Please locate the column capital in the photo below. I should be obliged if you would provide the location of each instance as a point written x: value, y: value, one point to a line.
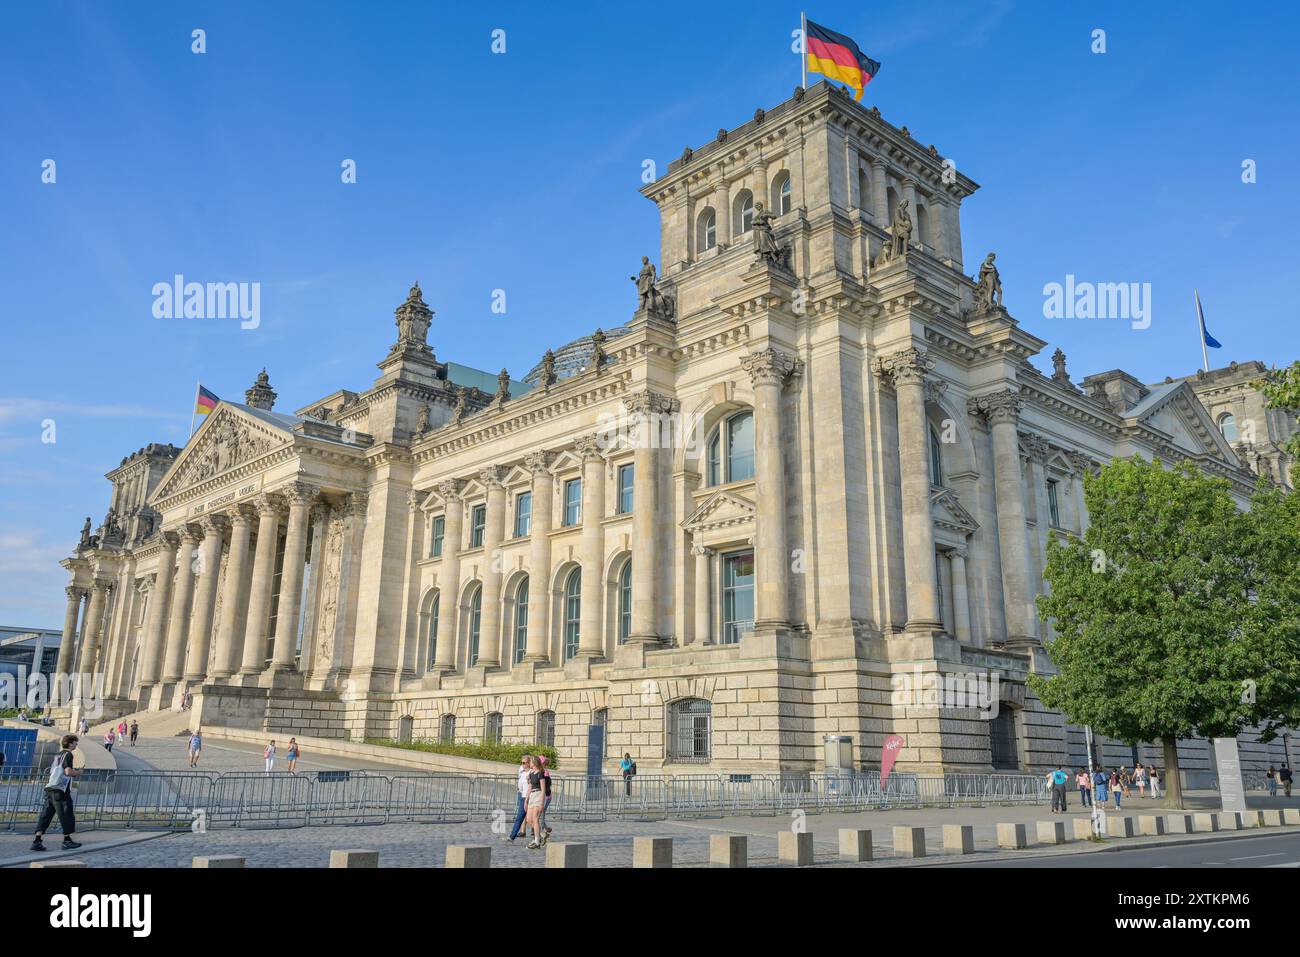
x: 102, y: 585
x: 539, y: 461
x: 1035, y: 446
x: 450, y: 489
x: 267, y: 504
x: 75, y: 592
x: 997, y: 407
x: 1080, y: 464
x: 300, y: 494
x: 907, y: 367
x: 355, y: 505
x: 242, y: 516
x: 415, y: 499
x: 192, y: 535
x: 213, y: 525
x: 769, y: 367
x: 650, y: 403
x: 959, y: 552
x: 170, y: 541
x: 492, y: 477
x: 588, y: 448
x: 700, y: 551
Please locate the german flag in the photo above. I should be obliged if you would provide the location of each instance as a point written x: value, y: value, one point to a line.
x: 205, y: 401
x: 836, y: 57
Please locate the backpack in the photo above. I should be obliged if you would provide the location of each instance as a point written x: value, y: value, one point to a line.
x: 58, y: 777
x: 632, y: 769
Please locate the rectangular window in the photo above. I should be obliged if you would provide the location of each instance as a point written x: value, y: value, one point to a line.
x: 478, y: 522
x: 523, y: 514
x: 1053, y: 504
x: 625, y: 477
x: 439, y: 526
x: 572, y: 502
x: 737, y: 596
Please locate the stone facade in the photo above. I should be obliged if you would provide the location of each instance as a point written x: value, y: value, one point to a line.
x: 815, y: 463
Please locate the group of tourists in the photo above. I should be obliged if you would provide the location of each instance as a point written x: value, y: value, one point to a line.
x: 1272, y: 776
x: 534, y: 797
x: 1096, y: 787
x: 291, y: 754
x: 120, y: 733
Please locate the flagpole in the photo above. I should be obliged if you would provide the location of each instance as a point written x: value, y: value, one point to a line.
x: 803, y: 49
x: 193, y: 408
x: 1200, y: 322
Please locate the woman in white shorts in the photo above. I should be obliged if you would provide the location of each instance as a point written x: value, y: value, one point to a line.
x: 535, y: 798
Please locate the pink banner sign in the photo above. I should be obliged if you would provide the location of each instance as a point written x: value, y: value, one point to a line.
x: 889, y: 754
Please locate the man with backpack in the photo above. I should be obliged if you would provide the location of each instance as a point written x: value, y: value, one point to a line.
x: 58, y: 796
x: 1058, y: 780
x: 628, y: 767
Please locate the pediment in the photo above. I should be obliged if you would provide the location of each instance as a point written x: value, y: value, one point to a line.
x: 720, y: 510
x: 1181, y: 416
x: 947, y: 512
x: 227, y: 440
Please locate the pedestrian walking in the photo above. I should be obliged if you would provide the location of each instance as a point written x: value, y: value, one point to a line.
x: 546, y: 798
x: 1270, y: 781
x: 135, y: 731
x: 1084, y: 781
x: 1116, y: 786
x: 292, y: 754
x: 1099, y: 782
x: 109, y: 738
x: 1140, y: 779
x: 196, y: 745
x: 269, y: 755
x: 1125, y: 780
x: 121, y: 730
x: 521, y: 797
x: 1058, y: 779
x: 535, y: 800
x: 84, y: 727
x: 1154, y: 776
x: 58, y: 797
x: 628, y: 767
x: 1284, y: 775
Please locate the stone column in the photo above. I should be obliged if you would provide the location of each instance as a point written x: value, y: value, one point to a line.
x: 769, y: 371
x: 259, y: 593
x: 703, y: 594
x: 178, y: 628
x: 449, y: 575
x: 230, y: 629
x: 1002, y: 409
x: 960, y: 602
x: 301, y: 497
x: 95, y: 625
x: 645, y: 410
x: 155, y: 629
x: 205, y: 598
x: 539, y: 556
x: 68, y: 646
x: 908, y: 370
x: 722, y: 213
x: 591, y: 549
x: 494, y: 528
x: 879, y: 195
x: 1080, y: 465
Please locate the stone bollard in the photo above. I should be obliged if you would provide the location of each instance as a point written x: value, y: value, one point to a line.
x: 59, y: 864
x: 1051, y: 832
x: 1179, y: 824
x: 652, y: 852
x: 1205, y: 822
x: 469, y: 855
x: 217, y: 860
x: 354, y: 858
x: 855, y: 844
x: 1119, y: 826
x: 1151, y: 824
x: 728, y: 850
x: 795, y: 848
x: 1271, y: 818
x: 1012, y: 836
x: 566, y: 855
x: 959, y: 838
x: 1082, y: 828
x: 909, y: 841
x: 1230, y: 821
x: 1291, y: 815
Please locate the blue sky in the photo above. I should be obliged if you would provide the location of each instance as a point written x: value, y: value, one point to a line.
x: 520, y: 172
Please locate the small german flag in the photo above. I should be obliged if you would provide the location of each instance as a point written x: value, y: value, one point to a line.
x: 205, y: 401
x: 836, y: 57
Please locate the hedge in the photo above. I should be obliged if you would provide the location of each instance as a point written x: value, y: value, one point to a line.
x: 507, y: 752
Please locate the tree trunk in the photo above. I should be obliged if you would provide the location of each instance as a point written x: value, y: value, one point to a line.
x: 1173, y: 782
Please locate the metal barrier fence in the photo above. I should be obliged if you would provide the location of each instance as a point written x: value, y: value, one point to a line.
x: 178, y: 800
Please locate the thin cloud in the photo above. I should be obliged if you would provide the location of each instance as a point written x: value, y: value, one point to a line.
x: 18, y: 408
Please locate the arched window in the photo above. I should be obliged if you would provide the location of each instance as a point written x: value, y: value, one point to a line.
x: 475, y: 619
x: 625, y: 602
x: 936, y: 459
x: 431, y: 635
x: 447, y: 729
x: 546, y: 728
x: 690, y: 731
x: 782, y: 194
x: 923, y: 225
x: 572, y: 612
x: 1228, y: 426
x: 742, y: 216
x: 405, y: 724
x: 521, y: 621
x: 706, y: 236
x: 492, y: 728
x: 731, y: 449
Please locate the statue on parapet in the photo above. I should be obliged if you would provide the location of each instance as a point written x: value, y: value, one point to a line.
x: 503, y: 386
x: 598, y: 354
x: 988, y: 287
x: 900, y: 232
x: 649, y: 297
x: 548, y: 370
x: 422, y: 421
x: 765, y: 245
x: 85, y: 535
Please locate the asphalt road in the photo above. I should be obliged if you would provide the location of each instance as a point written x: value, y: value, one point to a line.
x: 1267, y: 850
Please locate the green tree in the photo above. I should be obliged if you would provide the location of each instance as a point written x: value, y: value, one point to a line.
x: 1282, y: 388
x: 1161, y: 631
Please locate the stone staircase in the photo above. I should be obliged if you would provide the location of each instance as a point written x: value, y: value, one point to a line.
x: 153, y: 724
